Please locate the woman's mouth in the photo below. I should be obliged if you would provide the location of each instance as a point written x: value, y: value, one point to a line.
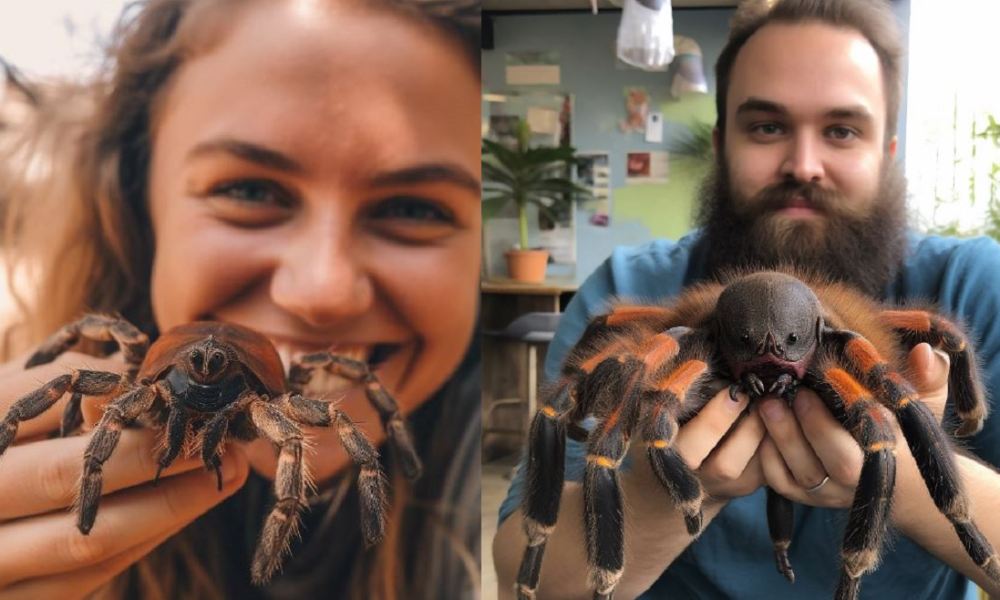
x: 374, y: 355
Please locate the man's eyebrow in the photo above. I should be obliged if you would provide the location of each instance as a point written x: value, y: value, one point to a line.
x: 429, y: 173
x: 247, y: 151
x: 761, y: 105
x: 857, y: 112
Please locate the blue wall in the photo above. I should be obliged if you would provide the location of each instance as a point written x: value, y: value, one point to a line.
x: 585, y: 44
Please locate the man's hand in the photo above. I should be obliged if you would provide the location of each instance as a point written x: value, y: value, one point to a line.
x: 805, y: 443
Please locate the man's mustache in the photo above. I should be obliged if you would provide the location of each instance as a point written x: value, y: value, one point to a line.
x: 781, y: 195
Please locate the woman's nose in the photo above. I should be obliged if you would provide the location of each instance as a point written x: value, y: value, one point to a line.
x: 322, y: 279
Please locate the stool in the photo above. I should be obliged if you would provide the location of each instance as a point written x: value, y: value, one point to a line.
x: 533, y: 330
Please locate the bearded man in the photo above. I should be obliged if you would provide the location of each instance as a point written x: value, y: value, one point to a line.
x: 807, y: 99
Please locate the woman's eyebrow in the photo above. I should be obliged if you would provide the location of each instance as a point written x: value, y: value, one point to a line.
x: 247, y: 151
x: 429, y: 173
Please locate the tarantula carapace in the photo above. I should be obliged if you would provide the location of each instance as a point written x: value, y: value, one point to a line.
x: 206, y: 381
x: 645, y: 370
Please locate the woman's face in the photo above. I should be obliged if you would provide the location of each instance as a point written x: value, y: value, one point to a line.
x: 315, y: 176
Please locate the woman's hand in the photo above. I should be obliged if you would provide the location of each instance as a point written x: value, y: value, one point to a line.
x: 42, y: 554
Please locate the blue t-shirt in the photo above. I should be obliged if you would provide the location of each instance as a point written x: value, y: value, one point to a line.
x: 733, y: 557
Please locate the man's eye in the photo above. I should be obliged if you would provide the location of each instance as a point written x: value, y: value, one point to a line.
x: 411, y: 209
x: 253, y: 191
x: 767, y: 129
x: 842, y: 133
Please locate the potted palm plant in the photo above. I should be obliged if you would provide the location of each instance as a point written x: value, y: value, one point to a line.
x: 527, y: 175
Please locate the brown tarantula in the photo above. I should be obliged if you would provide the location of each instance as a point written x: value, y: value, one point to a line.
x: 646, y: 370
x: 201, y: 382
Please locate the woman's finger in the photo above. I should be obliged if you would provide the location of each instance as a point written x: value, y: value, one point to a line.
x: 51, y: 543
x: 43, y: 476
x: 783, y: 428
x: 696, y: 439
x: 82, y: 582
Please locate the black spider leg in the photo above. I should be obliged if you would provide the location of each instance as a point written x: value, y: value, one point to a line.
x: 290, y: 482
x: 107, y: 433
x: 101, y: 328
x: 928, y: 443
x: 80, y: 382
x: 214, y: 432
x: 604, y: 523
x: 674, y: 391
x: 965, y: 387
x: 178, y: 421
x: 780, y: 523
x: 856, y: 407
x: 300, y: 373
x: 371, y: 479
x: 544, y: 479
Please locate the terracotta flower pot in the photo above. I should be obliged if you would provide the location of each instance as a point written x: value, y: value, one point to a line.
x: 527, y: 265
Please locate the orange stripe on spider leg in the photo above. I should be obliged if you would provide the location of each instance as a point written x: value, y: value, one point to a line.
x: 680, y: 379
x: 624, y: 314
x: 914, y: 320
x: 663, y: 349
x: 952, y: 340
x: 846, y: 386
x: 588, y: 365
x: 861, y: 352
x: 906, y: 392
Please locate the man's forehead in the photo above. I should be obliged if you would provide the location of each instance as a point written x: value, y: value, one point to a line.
x: 808, y: 67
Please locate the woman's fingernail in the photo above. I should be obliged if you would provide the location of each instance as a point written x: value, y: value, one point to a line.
x: 773, y: 410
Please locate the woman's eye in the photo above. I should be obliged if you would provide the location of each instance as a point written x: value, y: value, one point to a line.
x: 253, y: 191
x: 411, y: 209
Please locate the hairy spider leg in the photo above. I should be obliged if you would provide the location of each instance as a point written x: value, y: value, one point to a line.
x: 675, y: 389
x: 371, y: 479
x: 290, y: 483
x: 81, y: 382
x: 357, y: 371
x: 177, y: 430
x: 928, y: 443
x: 108, y: 431
x: 870, y: 424
x: 965, y: 387
x: 780, y: 523
x: 566, y: 403
x: 545, y: 476
x: 214, y: 432
x: 132, y: 342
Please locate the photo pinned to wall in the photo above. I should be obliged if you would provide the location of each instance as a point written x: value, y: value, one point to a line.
x: 532, y: 68
x: 647, y: 167
x: 636, y: 110
x: 593, y: 171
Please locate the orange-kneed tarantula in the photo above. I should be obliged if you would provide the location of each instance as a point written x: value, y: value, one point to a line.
x: 645, y: 370
x: 205, y: 381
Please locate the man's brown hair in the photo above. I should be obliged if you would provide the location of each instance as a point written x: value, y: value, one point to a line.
x: 872, y: 18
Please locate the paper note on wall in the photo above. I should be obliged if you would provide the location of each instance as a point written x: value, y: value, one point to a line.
x: 654, y: 127
x: 543, y: 120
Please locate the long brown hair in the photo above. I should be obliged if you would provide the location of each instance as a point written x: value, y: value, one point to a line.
x: 78, y: 231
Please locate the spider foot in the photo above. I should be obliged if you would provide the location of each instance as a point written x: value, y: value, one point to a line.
x: 753, y: 386
x: 784, y: 386
x: 783, y: 563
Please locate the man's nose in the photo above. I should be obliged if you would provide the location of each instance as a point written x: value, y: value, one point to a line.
x: 322, y: 279
x: 805, y: 159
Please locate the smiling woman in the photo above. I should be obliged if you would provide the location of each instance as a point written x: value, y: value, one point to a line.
x: 308, y: 169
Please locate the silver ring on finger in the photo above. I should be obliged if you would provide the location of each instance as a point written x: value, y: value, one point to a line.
x: 819, y: 485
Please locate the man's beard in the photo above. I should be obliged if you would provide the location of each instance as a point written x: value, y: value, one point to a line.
x: 863, y: 250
